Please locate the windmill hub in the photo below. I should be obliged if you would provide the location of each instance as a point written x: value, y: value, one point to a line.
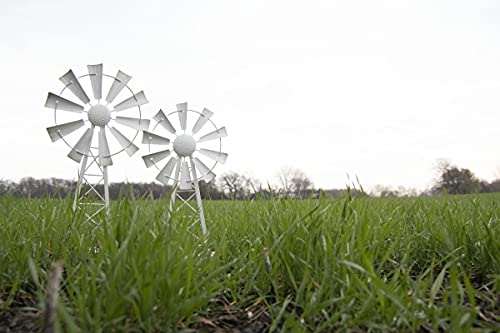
x: 99, y: 115
x: 184, y: 145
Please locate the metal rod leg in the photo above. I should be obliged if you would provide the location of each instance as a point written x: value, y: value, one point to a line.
x: 174, y: 193
x: 80, y: 180
x: 106, y: 189
x: 198, y: 197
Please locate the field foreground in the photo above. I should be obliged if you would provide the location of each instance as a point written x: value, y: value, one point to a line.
x: 350, y: 264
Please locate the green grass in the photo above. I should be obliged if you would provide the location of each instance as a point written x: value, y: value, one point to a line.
x: 364, y: 264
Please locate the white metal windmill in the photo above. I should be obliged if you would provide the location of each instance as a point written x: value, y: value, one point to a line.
x: 95, y: 153
x: 187, y: 148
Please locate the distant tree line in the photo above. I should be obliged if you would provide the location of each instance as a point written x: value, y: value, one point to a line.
x: 455, y: 180
x: 450, y: 179
x: 229, y: 186
x: 55, y: 187
x: 293, y: 183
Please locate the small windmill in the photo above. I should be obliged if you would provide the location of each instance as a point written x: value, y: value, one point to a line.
x: 94, y: 153
x: 188, y: 148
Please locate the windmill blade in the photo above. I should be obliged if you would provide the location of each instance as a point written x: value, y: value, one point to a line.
x: 151, y: 138
x: 135, y: 100
x: 202, y: 120
x: 95, y: 74
x: 217, y: 156
x: 135, y: 123
x: 164, y: 175
x: 154, y: 158
x: 71, y: 81
x: 185, y: 183
x: 104, y: 154
x: 82, y: 146
x: 126, y: 144
x: 162, y: 119
x: 59, y: 131
x: 57, y: 102
x: 218, y: 133
x: 121, y: 80
x: 205, y: 171
x: 182, y: 108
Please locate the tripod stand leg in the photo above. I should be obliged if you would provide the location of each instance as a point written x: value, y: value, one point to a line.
x: 198, y: 197
x: 80, y: 181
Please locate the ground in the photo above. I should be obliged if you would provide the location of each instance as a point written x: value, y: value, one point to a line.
x: 321, y: 265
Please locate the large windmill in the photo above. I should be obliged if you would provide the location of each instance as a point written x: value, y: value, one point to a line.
x: 93, y: 152
x: 187, y: 148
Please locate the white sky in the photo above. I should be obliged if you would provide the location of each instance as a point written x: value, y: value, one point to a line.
x: 377, y: 89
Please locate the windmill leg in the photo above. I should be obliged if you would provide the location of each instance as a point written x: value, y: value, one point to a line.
x: 80, y: 180
x: 172, y: 200
x: 174, y: 192
x: 106, y: 189
x: 198, y: 197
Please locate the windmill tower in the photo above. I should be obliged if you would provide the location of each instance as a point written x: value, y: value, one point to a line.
x: 187, y: 149
x: 92, y: 150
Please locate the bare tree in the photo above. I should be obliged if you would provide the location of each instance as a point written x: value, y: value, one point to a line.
x: 383, y: 191
x: 389, y: 192
x: 235, y: 185
x: 294, y: 181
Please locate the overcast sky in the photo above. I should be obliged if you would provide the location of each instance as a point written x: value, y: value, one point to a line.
x: 374, y: 89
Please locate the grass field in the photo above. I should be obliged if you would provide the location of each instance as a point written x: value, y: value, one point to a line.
x: 349, y: 264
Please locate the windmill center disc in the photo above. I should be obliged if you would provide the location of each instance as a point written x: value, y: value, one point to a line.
x: 99, y: 115
x: 184, y: 145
